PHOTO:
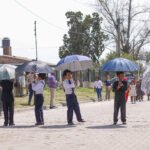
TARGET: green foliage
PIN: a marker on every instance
(113, 55)
(84, 36)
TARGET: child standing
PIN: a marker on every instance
(38, 87)
(72, 102)
(133, 93)
(140, 93)
(98, 87)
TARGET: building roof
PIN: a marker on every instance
(15, 60)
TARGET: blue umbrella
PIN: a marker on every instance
(120, 64)
(35, 67)
(75, 63)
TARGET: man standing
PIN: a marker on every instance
(120, 87)
(108, 87)
(52, 83)
(30, 79)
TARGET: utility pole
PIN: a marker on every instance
(35, 40)
(118, 39)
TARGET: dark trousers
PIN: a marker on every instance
(99, 93)
(8, 108)
(120, 104)
(31, 92)
(39, 100)
(72, 105)
(108, 89)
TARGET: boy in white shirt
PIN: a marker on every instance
(98, 88)
(71, 99)
(38, 87)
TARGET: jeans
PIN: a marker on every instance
(99, 93)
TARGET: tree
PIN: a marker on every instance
(145, 56)
(84, 36)
(124, 25)
(113, 55)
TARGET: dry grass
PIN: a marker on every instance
(83, 94)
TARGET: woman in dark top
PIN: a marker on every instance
(8, 102)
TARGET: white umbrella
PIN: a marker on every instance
(7, 72)
(145, 86)
(74, 63)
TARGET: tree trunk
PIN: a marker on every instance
(129, 26)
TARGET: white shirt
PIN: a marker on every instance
(68, 87)
(30, 78)
(98, 84)
(38, 86)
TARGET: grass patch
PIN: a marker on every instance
(83, 94)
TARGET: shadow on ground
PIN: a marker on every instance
(57, 127)
(107, 127)
(18, 127)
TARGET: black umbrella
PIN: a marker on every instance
(35, 67)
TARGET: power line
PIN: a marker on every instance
(43, 19)
(35, 14)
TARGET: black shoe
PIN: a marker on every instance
(42, 123)
(81, 120)
(124, 123)
(115, 123)
(70, 123)
(11, 124)
(5, 124)
(39, 123)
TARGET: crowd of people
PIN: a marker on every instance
(36, 83)
(133, 92)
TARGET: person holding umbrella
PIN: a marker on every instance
(38, 87)
(7, 76)
(8, 102)
(71, 98)
(119, 88)
(30, 79)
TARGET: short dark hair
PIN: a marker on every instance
(42, 75)
(120, 72)
(66, 71)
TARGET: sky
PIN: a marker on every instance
(17, 23)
